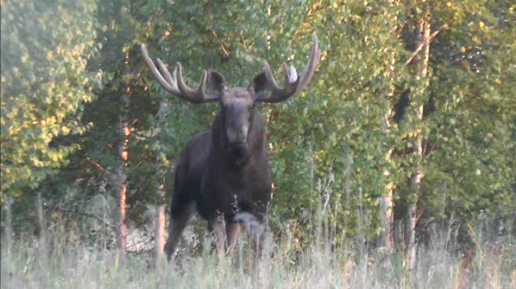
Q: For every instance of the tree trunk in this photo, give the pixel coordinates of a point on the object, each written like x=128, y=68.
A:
x=347, y=195
x=386, y=203
x=415, y=178
x=121, y=173
x=386, y=206
x=159, y=230
x=159, y=217
x=8, y=224
x=42, y=229
x=121, y=238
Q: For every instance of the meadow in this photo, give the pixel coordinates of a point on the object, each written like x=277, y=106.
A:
x=440, y=264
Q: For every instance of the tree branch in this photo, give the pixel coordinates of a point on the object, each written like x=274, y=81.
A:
x=98, y=219
x=222, y=47
x=91, y=216
x=420, y=47
x=95, y=163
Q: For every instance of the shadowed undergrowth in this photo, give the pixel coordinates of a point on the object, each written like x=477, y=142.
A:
x=488, y=265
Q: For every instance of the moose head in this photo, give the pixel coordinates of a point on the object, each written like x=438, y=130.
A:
x=237, y=104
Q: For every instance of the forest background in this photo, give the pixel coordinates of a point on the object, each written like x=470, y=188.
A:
x=406, y=131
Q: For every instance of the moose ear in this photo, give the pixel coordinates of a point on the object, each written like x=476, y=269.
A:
x=215, y=81
x=259, y=83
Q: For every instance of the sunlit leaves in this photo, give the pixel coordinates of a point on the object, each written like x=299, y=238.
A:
x=45, y=46
x=340, y=140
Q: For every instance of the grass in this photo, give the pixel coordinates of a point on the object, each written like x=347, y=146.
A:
x=489, y=265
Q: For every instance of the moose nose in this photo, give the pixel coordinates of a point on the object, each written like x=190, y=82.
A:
x=238, y=149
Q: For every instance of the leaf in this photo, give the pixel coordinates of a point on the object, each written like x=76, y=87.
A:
x=65, y=130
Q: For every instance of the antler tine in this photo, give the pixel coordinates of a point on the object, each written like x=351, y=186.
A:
x=170, y=87
x=171, y=79
x=270, y=77
x=198, y=95
x=293, y=82
x=315, y=55
x=175, y=83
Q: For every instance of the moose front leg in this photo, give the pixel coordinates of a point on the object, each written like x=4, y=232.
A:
x=232, y=232
x=216, y=226
x=257, y=239
x=178, y=221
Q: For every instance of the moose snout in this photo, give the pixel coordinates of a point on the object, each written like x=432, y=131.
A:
x=238, y=149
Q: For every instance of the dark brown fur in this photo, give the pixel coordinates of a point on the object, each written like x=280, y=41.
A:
x=225, y=172
x=218, y=182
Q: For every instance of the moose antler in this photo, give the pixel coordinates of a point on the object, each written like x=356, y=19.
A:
x=175, y=84
x=293, y=82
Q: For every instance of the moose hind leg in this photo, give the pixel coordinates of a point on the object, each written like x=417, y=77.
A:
x=178, y=221
x=232, y=231
x=257, y=246
x=257, y=232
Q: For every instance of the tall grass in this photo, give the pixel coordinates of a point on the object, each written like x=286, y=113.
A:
x=487, y=265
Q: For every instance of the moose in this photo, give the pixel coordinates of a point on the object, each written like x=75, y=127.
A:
x=225, y=171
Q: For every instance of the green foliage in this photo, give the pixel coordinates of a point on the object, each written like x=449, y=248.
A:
x=471, y=131
x=337, y=147
x=45, y=83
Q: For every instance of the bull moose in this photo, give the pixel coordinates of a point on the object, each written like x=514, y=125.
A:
x=225, y=171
